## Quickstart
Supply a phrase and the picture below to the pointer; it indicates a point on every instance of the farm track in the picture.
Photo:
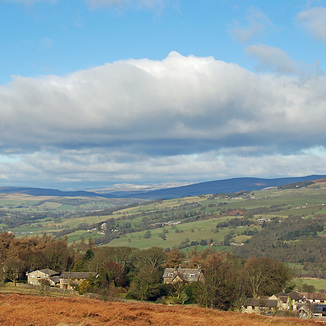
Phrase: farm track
(29, 310)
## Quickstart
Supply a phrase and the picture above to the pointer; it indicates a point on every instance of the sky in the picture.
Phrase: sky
(101, 92)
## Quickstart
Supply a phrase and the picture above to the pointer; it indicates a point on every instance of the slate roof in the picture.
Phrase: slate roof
(294, 295)
(77, 275)
(55, 279)
(186, 274)
(261, 303)
(313, 296)
(50, 272)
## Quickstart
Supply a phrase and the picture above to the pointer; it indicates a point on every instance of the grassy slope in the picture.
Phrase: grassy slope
(26, 310)
(297, 202)
(319, 284)
(194, 230)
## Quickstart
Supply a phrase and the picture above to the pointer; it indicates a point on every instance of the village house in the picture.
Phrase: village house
(307, 305)
(69, 280)
(187, 275)
(280, 301)
(35, 277)
(261, 305)
(55, 281)
(314, 305)
(286, 300)
(316, 297)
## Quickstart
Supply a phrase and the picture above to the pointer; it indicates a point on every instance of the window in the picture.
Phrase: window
(170, 274)
(192, 275)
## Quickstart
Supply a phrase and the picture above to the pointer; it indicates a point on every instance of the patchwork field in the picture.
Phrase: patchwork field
(239, 222)
(195, 231)
(27, 310)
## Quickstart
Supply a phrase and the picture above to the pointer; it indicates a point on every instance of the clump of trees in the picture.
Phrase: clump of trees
(18, 256)
(228, 279)
(138, 274)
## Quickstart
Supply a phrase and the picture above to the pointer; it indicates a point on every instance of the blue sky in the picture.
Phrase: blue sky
(102, 92)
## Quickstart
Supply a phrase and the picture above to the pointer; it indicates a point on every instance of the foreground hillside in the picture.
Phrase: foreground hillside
(23, 310)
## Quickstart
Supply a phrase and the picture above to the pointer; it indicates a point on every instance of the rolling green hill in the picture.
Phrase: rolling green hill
(286, 223)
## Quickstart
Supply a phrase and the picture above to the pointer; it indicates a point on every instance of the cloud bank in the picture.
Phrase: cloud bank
(189, 118)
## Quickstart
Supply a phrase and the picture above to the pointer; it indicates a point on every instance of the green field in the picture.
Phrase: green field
(199, 216)
(319, 284)
(196, 231)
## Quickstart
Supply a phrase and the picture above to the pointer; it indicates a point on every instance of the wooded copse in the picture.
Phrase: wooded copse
(137, 274)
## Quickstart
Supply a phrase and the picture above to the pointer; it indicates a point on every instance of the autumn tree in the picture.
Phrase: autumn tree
(13, 269)
(220, 288)
(196, 258)
(147, 284)
(154, 257)
(30, 253)
(121, 255)
(265, 276)
(173, 258)
(80, 265)
(115, 273)
(58, 256)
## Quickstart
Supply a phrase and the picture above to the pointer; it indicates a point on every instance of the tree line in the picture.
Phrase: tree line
(137, 274)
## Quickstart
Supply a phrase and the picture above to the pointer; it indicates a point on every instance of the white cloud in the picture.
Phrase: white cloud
(94, 167)
(178, 99)
(179, 118)
(272, 58)
(255, 25)
(314, 20)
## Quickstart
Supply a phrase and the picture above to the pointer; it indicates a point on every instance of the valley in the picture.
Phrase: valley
(285, 222)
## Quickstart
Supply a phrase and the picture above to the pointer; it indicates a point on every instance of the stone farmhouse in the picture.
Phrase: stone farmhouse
(262, 305)
(66, 280)
(279, 301)
(69, 280)
(35, 277)
(186, 275)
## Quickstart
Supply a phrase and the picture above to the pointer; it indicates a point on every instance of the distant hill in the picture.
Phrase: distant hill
(204, 188)
(212, 187)
(46, 192)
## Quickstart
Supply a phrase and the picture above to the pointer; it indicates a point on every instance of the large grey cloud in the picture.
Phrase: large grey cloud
(175, 118)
